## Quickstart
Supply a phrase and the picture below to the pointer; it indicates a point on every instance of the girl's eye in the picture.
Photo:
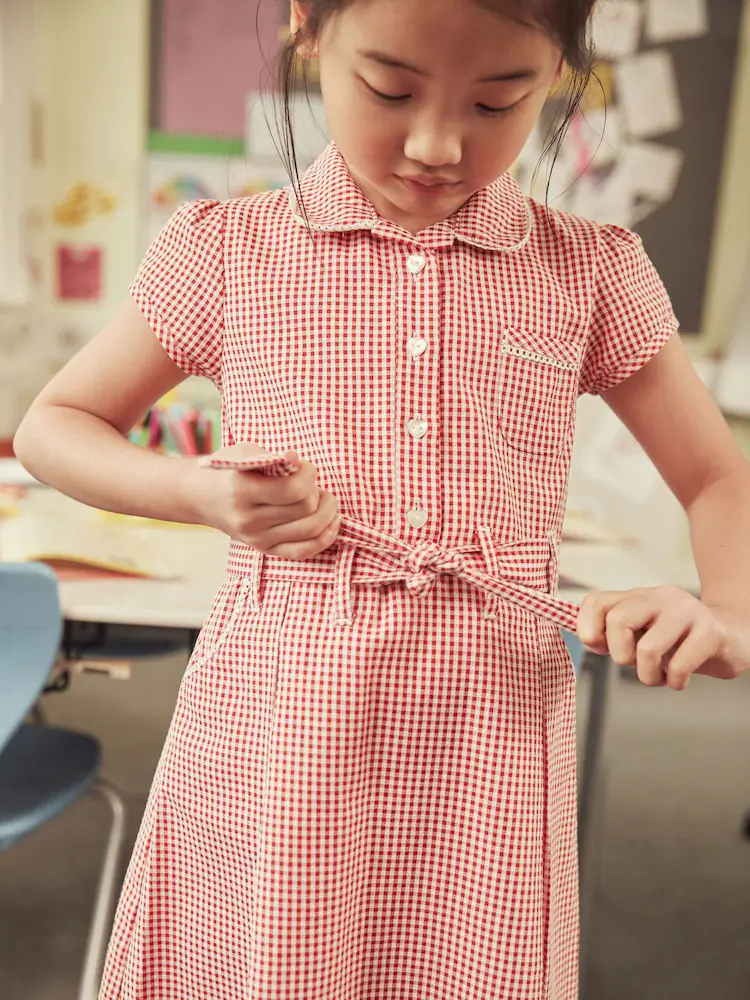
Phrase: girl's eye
(497, 111)
(390, 98)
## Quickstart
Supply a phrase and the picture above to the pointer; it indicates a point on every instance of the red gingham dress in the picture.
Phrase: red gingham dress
(368, 788)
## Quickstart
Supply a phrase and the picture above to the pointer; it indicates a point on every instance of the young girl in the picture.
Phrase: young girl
(368, 788)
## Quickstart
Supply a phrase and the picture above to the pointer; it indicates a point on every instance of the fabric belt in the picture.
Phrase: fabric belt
(365, 555)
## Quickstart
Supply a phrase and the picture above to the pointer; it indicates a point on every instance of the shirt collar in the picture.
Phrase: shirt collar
(496, 218)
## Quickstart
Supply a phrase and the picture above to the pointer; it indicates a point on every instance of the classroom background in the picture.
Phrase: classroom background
(111, 116)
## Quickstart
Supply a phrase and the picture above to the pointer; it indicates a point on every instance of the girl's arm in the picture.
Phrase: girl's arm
(74, 436)
(665, 631)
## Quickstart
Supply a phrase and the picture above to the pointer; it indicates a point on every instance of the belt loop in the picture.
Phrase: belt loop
(491, 601)
(257, 559)
(342, 585)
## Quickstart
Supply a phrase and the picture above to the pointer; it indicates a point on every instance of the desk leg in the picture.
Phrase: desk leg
(591, 800)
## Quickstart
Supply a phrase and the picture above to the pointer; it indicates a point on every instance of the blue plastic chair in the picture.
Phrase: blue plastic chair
(44, 769)
(577, 651)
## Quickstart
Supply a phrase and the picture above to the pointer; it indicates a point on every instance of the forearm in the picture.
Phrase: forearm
(88, 459)
(720, 532)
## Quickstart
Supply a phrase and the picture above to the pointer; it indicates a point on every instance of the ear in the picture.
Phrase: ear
(560, 72)
(298, 16)
(297, 20)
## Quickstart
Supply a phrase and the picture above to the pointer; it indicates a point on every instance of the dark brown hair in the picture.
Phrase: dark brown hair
(565, 21)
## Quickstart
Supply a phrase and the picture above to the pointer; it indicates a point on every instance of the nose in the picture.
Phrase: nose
(434, 142)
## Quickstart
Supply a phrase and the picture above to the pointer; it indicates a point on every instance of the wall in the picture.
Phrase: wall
(90, 68)
(88, 123)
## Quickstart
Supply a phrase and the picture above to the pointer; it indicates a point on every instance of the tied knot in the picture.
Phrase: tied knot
(425, 563)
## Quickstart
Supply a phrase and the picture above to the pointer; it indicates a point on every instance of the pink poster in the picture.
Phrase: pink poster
(79, 273)
(212, 54)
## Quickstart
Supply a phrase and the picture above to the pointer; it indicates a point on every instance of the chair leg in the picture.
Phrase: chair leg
(100, 924)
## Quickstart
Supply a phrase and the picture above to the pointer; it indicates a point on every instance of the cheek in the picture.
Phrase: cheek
(363, 130)
(512, 139)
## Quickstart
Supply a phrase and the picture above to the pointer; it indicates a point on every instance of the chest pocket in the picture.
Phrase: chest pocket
(539, 388)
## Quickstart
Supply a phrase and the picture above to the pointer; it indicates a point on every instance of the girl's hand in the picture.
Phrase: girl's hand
(285, 516)
(667, 634)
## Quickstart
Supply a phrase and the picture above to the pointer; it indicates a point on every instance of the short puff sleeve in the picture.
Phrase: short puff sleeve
(179, 287)
(632, 317)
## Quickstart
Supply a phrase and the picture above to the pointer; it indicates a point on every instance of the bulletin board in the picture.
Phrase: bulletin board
(682, 237)
(662, 146)
(206, 59)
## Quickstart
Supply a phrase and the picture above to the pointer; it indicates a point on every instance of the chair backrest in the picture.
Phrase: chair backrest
(30, 632)
(576, 649)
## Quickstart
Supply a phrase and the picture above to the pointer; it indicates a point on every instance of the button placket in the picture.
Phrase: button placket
(419, 394)
(415, 264)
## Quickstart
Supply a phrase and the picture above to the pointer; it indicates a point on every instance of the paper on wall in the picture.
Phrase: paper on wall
(648, 94)
(642, 211)
(309, 123)
(653, 169)
(603, 130)
(673, 20)
(616, 28)
(175, 178)
(609, 201)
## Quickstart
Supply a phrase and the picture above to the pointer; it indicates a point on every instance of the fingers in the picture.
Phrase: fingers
(625, 626)
(592, 619)
(655, 648)
(699, 646)
(665, 632)
(311, 546)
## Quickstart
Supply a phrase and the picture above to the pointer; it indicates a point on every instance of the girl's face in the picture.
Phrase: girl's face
(429, 102)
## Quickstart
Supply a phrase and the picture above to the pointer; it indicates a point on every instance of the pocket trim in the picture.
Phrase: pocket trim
(543, 350)
(240, 603)
(542, 359)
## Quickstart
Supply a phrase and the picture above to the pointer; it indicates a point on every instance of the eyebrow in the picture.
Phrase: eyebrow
(386, 60)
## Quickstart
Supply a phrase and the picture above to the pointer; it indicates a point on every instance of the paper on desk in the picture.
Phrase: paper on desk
(83, 543)
(673, 20)
(616, 28)
(9, 501)
(12, 473)
(648, 94)
(579, 527)
(615, 459)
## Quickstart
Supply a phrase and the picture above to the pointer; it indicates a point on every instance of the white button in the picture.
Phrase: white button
(416, 346)
(417, 518)
(417, 428)
(416, 263)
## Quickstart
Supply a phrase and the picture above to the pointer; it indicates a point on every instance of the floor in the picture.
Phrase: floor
(671, 919)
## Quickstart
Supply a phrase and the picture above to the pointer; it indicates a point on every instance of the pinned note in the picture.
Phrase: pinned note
(607, 201)
(603, 131)
(648, 94)
(616, 28)
(674, 20)
(654, 170)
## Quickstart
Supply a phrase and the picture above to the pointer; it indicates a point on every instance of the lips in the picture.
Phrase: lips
(430, 181)
(428, 187)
